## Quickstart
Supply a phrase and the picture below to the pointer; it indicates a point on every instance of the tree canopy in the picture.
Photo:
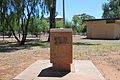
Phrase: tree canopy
(78, 24)
(111, 9)
(17, 14)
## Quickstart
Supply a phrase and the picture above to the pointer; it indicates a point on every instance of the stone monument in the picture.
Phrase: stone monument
(61, 48)
(62, 67)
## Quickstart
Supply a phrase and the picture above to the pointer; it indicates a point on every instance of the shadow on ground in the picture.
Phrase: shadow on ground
(13, 46)
(43, 44)
(50, 72)
(84, 43)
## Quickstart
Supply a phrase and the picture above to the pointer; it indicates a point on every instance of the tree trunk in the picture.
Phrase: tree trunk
(9, 34)
(25, 29)
(14, 34)
(24, 36)
(52, 16)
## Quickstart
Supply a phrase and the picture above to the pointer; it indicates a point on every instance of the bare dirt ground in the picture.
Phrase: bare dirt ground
(14, 59)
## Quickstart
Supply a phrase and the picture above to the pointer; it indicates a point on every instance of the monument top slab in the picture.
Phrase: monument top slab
(61, 30)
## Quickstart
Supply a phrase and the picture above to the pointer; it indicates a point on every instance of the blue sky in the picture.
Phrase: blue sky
(73, 7)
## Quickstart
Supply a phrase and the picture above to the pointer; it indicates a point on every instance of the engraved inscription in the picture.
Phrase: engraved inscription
(61, 40)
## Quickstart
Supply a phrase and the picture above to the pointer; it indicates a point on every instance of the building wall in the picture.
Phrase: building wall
(102, 30)
(117, 31)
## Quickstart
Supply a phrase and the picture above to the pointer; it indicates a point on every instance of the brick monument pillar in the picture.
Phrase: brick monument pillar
(61, 48)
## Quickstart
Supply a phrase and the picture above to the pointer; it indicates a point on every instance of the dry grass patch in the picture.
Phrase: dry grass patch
(104, 53)
(94, 48)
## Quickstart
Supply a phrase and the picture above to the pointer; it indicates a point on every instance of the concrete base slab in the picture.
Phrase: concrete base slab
(42, 70)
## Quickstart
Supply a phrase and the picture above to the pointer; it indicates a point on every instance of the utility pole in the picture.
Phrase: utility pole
(63, 14)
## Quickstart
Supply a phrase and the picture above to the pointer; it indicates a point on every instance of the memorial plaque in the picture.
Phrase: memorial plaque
(61, 48)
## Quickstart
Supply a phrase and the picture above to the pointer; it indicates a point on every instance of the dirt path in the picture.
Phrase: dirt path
(12, 63)
(110, 72)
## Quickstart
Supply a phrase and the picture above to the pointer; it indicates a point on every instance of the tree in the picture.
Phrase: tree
(76, 20)
(59, 23)
(39, 26)
(78, 24)
(106, 13)
(68, 24)
(51, 7)
(111, 9)
(19, 12)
